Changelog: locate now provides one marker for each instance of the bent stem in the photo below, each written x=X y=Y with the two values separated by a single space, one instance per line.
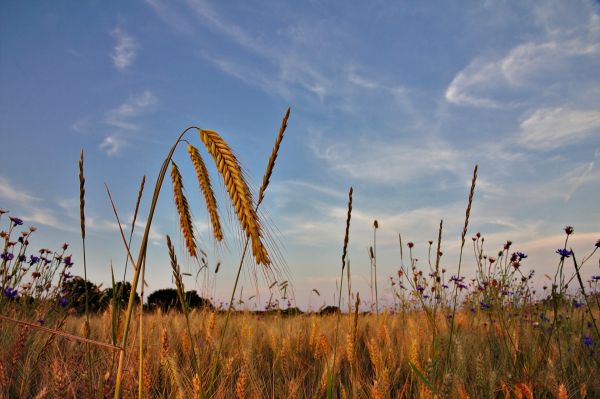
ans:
x=140 y=261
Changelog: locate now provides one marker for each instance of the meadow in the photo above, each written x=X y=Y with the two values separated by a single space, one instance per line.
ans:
x=493 y=334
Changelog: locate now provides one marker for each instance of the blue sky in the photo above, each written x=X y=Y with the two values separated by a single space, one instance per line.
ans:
x=399 y=100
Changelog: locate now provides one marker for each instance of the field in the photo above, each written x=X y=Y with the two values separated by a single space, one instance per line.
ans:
x=446 y=336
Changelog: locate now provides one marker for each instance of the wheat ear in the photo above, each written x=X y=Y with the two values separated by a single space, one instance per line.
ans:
x=207 y=191
x=229 y=168
x=273 y=157
x=183 y=209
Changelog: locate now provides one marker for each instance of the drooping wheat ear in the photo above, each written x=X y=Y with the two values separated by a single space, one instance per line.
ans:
x=238 y=190
x=273 y=157
x=185 y=218
x=207 y=191
x=468 y=212
x=81 y=196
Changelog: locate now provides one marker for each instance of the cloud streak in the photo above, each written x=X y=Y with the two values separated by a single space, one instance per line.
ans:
x=125 y=49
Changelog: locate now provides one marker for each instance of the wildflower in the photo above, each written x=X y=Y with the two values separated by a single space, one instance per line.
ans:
x=598 y=244
x=3 y=211
x=68 y=262
x=410 y=244
x=10 y=293
x=596 y=278
x=22 y=258
x=33 y=260
x=491 y=259
x=16 y=221
x=420 y=289
x=444 y=286
x=478 y=235
x=6 y=256
x=65 y=246
x=36 y=274
x=521 y=255
x=376 y=224
x=67 y=275
x=462 y=286
x=587 y=341
x=564 y=253
x=569 y=230
x=430 y=242
x=63 y=302
x=507 y=245
x=576 y=304
x=41 y=322
x=484 y=306
x=516 y=264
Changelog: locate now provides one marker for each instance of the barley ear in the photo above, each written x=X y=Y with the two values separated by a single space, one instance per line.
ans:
x=237 y=188
x=185 y=218
x=207 y=191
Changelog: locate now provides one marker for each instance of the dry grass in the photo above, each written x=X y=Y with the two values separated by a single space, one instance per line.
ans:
x=266 y=356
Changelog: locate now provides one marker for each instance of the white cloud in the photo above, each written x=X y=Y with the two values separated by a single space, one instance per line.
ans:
x=125 y=49
x=390 y=162
x=10 y=192
x=549 y=128
x=113 y=145
x=531 y=69
x=121 y=117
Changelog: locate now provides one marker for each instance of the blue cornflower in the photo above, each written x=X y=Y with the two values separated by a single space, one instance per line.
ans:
x=16 y=221
x=596 y=278
x=67 y=275
x=445 y=286
x=484 y=306
x=33 y=259
x=10 y=293
x=7 y=256
x=426 y=296
x=462 y=286
x=63 y=302
x=521 y=255
x=22 y=258
x=420 y=289
x=587 y=341
x=41 y=322
x=576 y=304
x=564 y=253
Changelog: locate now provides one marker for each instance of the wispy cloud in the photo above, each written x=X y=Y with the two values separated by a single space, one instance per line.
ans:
x=532 y=69
x=11 y=192
x=125 y=49
x=124 y=119
x=549 y=128
x=380 y=161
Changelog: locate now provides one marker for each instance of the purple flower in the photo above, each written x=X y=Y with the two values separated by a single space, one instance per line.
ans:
x=484 y=306
x=596 y=278
x=68 y=261
x=7 y=256
x=16 y=221
x=587 y=341
x=564 y=253
x=420 y=289
x=22 y=258
x=67 y=275
x=462 y=286
x=576 y=304
x=33 y=259
x=10 y=293
x=445 y=286
x=41 y=322
x=63 y=302
x=521 y=255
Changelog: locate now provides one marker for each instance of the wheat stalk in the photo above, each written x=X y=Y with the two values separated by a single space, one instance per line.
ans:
x=183 y=209
x=241 y=198
x=207 y=191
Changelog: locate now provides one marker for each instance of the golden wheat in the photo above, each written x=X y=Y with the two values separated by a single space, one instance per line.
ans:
x=241 y=198
x=207 y=191
x=181 y=203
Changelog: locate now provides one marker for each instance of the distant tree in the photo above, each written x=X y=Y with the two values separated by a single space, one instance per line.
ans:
x=329 y=310
x=166 y=299
x=120 y=293
x=73 y=295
